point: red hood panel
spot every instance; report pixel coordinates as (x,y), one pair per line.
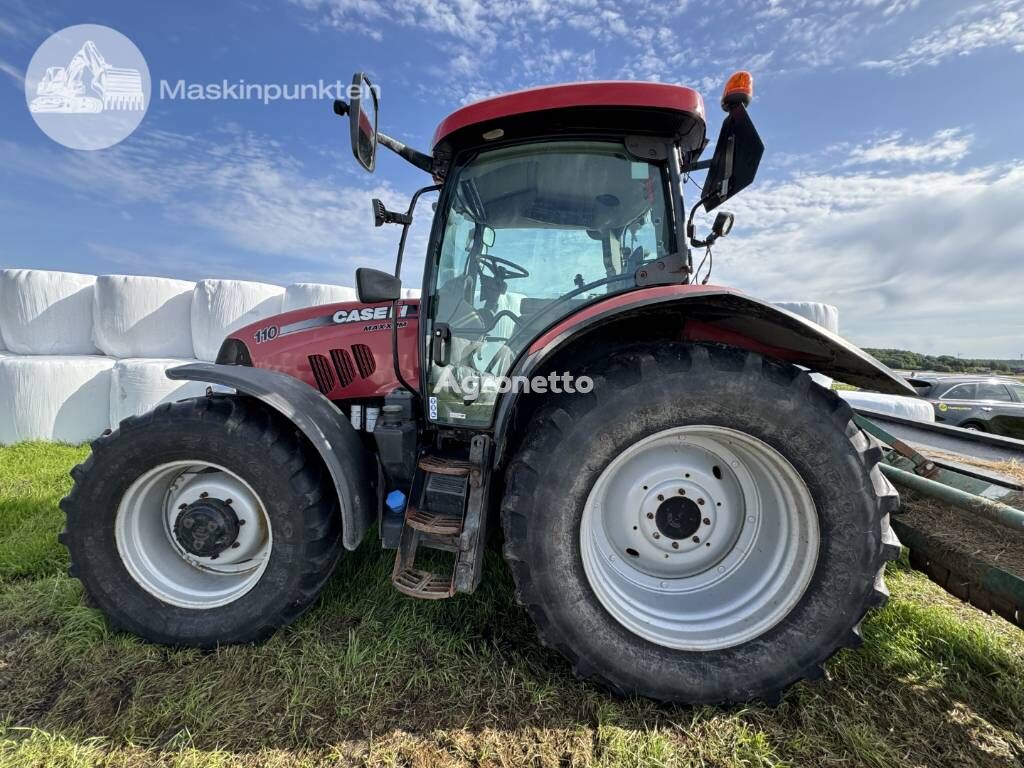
(343,350)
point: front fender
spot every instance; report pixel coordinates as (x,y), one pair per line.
(319,420)
(710,313)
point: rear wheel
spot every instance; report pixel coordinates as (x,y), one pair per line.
(203,522)
(707,526)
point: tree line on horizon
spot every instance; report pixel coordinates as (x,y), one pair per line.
(915,361)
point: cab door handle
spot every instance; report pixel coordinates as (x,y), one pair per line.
(442,344)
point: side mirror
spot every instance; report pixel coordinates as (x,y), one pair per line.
(374,286)
(737,156)
(362,118)
(723,224)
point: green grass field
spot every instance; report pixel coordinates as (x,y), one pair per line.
(370,677)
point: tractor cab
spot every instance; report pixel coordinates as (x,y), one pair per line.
(552,199)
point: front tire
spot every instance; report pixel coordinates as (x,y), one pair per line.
(204,522)
(734,604)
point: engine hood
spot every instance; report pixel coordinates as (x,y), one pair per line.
(343,350)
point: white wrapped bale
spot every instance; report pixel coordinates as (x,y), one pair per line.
(301,295)
(895,405)
(141,384)
(142,316)
(46,313)
(222,306)
(54,397)
(825,315)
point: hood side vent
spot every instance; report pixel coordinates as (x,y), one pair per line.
(364,360)
(344,366)
(322,373)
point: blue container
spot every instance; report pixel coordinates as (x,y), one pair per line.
(395,502)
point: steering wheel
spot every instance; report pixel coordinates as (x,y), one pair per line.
(501,269)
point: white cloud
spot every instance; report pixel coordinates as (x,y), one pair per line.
(927,261)
(988,25)
(15,74)
(243,189)
(946,146)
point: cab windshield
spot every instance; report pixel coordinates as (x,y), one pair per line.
(532,233)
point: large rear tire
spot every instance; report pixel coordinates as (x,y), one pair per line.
(204,522)
(707,526)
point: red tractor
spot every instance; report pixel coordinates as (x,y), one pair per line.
(687,516)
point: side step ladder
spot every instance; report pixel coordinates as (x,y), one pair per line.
(446,512)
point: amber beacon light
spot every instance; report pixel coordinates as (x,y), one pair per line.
(739,89)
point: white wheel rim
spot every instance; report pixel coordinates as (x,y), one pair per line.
(736,575)
(157,561)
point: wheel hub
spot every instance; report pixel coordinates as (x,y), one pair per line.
(677,518)
(206,527)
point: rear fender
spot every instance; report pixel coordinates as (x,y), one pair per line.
(319,420)
(709,313)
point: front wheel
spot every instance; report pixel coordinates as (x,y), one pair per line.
(707,526)
(205,522)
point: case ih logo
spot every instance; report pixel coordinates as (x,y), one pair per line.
(370,313)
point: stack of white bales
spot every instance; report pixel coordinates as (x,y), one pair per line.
(54,384)
(83,352)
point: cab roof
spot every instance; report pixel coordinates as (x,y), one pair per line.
(632,107)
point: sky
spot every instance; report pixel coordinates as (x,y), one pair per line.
(892,184)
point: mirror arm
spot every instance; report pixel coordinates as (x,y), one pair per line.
(691,231)
(420,160)
(700,165)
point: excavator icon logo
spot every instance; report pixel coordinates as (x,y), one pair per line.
(81,99)
(62,89)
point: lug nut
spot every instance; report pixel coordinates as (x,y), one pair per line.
(183,506)
(203,495)
(227,501)
(657,535)
(696,539)
(706,521)
(675,545)
(682,491)
(650,515)
(701,502)
(661,497)
(235,545)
